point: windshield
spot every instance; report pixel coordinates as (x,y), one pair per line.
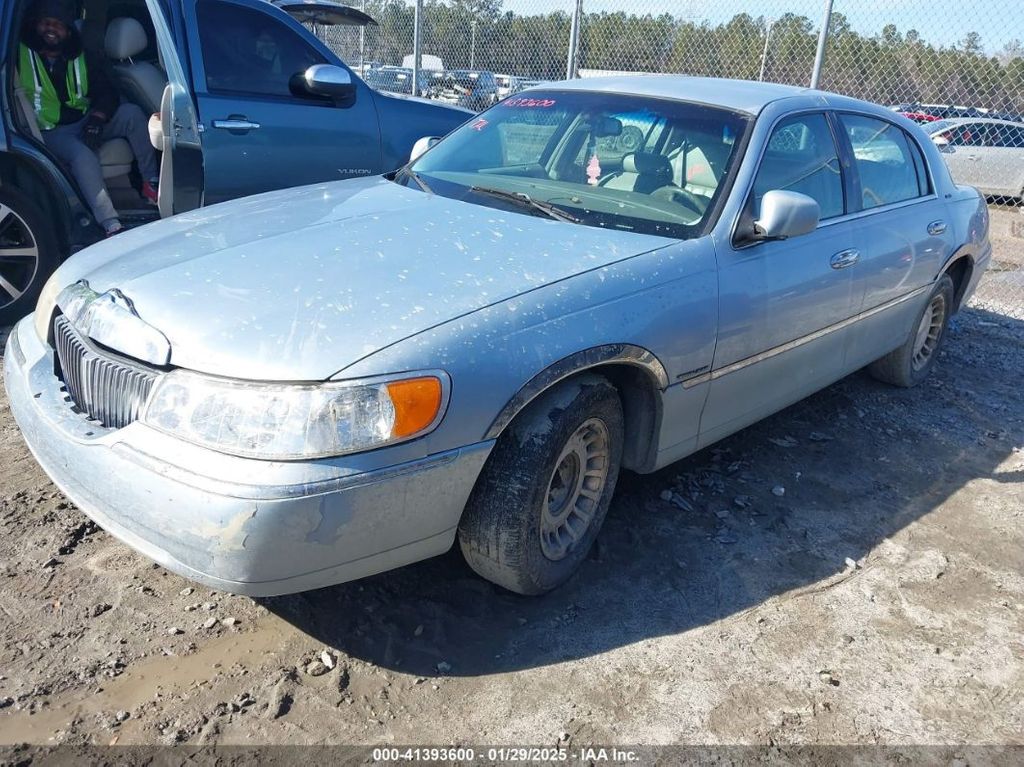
(632,163)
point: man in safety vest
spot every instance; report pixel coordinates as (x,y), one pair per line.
(76,106)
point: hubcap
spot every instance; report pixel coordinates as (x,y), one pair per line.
(575,489)
(19,256)
(928,332)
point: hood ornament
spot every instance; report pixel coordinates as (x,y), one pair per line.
(111,319)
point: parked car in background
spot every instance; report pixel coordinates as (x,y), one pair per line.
(987,154)
(313,385)
(918,117)
(249,100)
(508,84)
(395,80)
(468,88)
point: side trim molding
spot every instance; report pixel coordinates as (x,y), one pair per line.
(626,354)
(798,342)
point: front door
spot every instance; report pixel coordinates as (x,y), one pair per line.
(181,160)
(259,133)
(781,304)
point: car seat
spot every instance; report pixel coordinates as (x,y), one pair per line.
(140,82)
(642,172)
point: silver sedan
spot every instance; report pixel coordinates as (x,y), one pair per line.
(313,385)
(986,153)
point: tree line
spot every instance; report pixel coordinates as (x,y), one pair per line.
(887,67)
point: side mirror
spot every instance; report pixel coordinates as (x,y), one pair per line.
(326,80)
(421,146)
(786,214)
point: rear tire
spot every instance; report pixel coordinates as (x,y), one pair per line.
(28,254)
(544,492)
(910,364)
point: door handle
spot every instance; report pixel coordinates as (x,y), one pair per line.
(234,123)
(936,227)
(845,258)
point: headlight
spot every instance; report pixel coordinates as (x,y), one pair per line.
(290,421)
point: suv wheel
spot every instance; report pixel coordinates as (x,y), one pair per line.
(28,254)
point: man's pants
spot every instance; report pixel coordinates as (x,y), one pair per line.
(65,141)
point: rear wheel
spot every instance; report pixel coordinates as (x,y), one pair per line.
(910,364)
(545,490)
(28,254)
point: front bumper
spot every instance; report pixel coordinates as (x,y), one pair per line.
(258,528)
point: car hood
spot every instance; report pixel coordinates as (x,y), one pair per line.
(301,283)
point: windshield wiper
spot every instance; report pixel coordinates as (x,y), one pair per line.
(418,179)
(523,199)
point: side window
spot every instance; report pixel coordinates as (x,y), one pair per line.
(968,134)
(884,161)
(1011,136)
(801,157)
(247,51)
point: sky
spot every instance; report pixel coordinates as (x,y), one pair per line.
(941,22)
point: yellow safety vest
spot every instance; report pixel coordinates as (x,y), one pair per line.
(35,79)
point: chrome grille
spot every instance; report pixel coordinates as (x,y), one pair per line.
(109,390)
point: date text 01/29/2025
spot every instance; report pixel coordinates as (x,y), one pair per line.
(503,754)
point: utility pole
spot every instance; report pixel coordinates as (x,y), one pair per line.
(574,41)
(819,56)
(417,52)
(472,45)
(764,53)
(362,44)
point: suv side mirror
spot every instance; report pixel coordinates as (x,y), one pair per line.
(786,214)
(421,146)
(326,80)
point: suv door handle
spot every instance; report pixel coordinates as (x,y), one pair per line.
(235,123)
(936,227)
(845,258)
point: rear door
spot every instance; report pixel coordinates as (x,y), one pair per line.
(258,134)
(1001,160)
(903,231)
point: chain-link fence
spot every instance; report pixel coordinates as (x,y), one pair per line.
(933,59)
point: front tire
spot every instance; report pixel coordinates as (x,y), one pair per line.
(911,363)
(543,495)
(28,254)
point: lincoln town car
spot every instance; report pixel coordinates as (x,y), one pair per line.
(308,386)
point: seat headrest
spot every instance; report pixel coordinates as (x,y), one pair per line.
(125,38)
(647,164)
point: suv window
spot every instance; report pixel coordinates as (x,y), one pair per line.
(246,51)
(801,157)
(885,161)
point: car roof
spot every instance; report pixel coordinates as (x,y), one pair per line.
(975,120)
(738,95)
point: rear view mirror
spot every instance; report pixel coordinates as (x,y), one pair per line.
(607,127)
(421,146)
(786,214)
(325,80)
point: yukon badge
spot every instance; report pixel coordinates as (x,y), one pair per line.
(111,319)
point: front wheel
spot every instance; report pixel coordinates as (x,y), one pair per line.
(910,364)
(28,254)
(543,495)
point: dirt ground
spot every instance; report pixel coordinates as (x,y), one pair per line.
(849,571)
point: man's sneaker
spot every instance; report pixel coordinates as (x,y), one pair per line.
(149,191)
